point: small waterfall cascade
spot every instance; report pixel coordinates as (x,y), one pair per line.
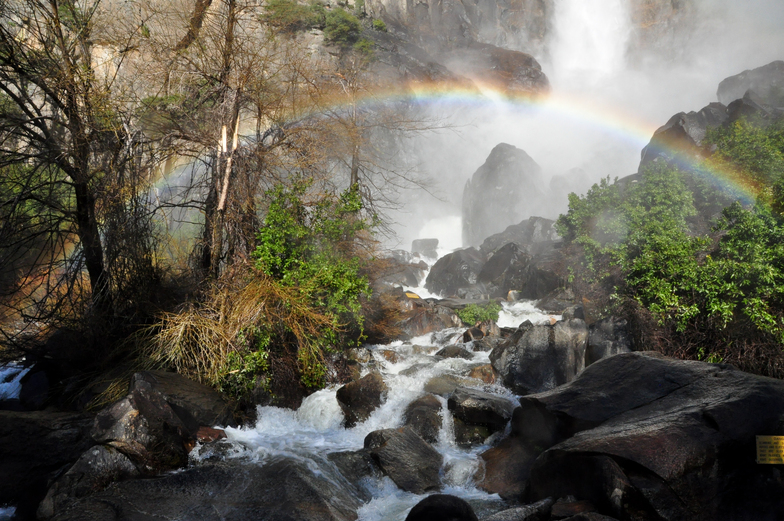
(315,430)
(590,38)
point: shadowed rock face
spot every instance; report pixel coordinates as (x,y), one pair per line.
(503,191)
(767,82)
(283,489)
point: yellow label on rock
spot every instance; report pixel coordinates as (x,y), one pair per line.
(411,294)
(770,450)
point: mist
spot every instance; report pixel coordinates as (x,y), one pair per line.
(608,97)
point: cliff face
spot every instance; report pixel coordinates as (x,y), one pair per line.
(519,25)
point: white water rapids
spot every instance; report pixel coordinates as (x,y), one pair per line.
(314,430)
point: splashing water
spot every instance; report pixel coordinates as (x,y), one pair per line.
(11,380)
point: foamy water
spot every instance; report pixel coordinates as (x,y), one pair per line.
(315,430)
(11,380)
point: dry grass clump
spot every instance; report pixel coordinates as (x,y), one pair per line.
(198,340)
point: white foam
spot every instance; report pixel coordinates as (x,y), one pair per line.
(10,380)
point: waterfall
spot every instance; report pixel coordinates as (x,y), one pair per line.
(590,38)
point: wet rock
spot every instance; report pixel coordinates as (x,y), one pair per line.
(360,398)
(196,404)
(158,420)
(467,435)
(590,516)
(573,312)
(767,82)
(424,416)
(607,337)
(503,191)
(471,334)
(358,467)
(542,357)
(646,437)
(362,355)
(455,271)
(34,446)
(487,343)
(483,372)
(411,462)
(208,434)
(533,236)
(424,320)
(539,511)
(425,247)
(446,384)
(751,108)
(93,471)
(455,352)
(507,467)
(479,408)
(389,355)
(281,490)
(557,301)
(442,507)
(402,269)
(507,269)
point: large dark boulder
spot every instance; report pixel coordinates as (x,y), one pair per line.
(411,462)
(503,191)
(424,415)
(767,82)
(34,446)
(538,358)
(359,468)
(507,269)
(424,318)
(442,507)
(533,236)
(283,489)
(479,408)
(645,437)
(93,471)
(683,134)
(506,468)
(159,418)
(360,398)
(455,271)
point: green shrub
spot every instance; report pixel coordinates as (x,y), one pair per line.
(379,25)
(364,47)
(473,313)
(291,16)
(342,28)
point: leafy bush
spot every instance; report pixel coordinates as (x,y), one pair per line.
(379,25)
(342,28)
(473,313)
(291,16)
(364,47)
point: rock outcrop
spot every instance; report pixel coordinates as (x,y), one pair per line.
(641,436)
(360,398)
(455,271)
(539,358)
(506,189)
(408,460)
(767,82)
(283,489)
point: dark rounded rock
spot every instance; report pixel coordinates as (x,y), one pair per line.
(455,271)
(424,416)
(455,352)
(662,438)
(411,462)
(479,408)
(507,467)
(280,490)
(360,398)
(424,320)
(442,507)
(467,435)
(425,247)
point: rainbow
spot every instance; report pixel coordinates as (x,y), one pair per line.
(603,117)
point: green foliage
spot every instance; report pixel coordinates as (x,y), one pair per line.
(379,25)
(291,16)
(359,8)
(364,47)
(342,28)
(310,246)
(473,313)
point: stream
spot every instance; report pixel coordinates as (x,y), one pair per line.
(313,431)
